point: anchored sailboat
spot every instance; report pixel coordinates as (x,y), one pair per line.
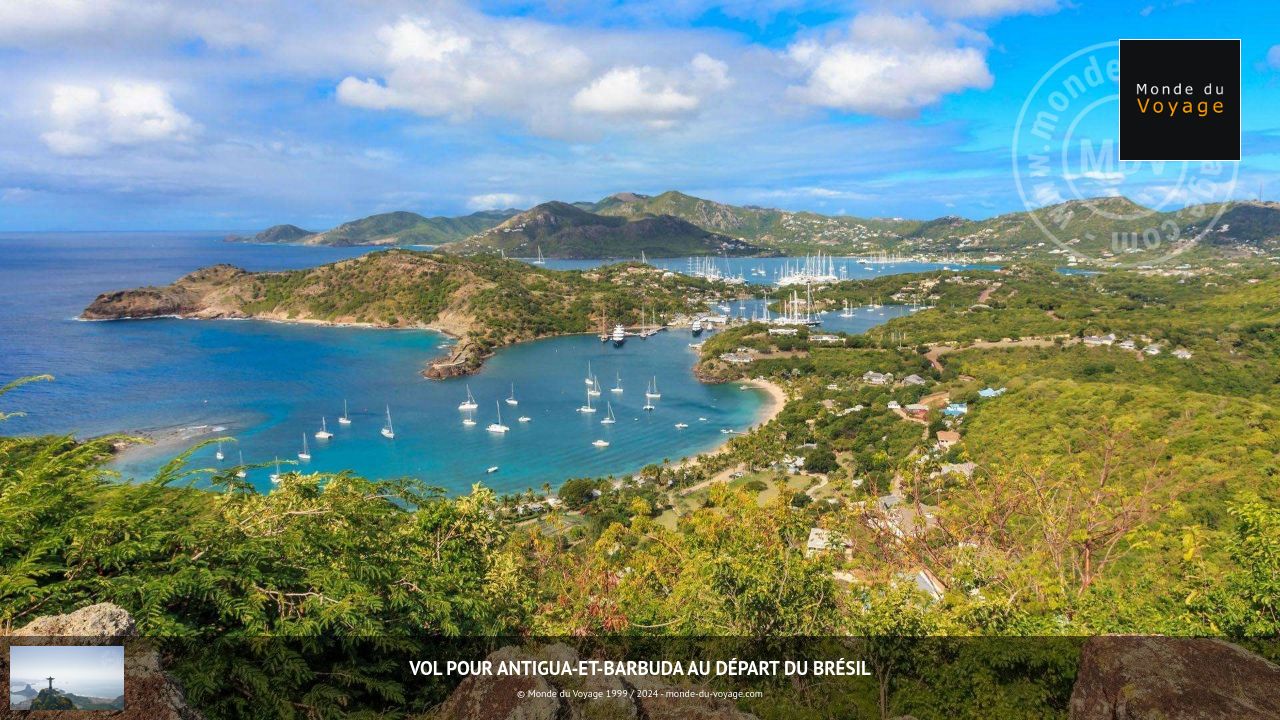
(541,260)
(218,455)
(346,416)
(594,390)
(498,427)
(275,476)
(469,420)
(388,431)
(590,378)
(652,393)
(323,433)
(305,454)
(617,387)
(241,473)
(469,403)
(512,400)
(610,419)
(587,408)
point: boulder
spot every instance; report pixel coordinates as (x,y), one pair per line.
(1164,678)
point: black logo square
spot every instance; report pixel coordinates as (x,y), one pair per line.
(1179,100)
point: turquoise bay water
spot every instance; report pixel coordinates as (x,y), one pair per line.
(269,383)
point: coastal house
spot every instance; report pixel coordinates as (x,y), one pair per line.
(741,356)
(1128,345)
(871,377)
(928,583)
(1182,354)
(1099,340)
(955,409)
(783,331)
(917,410)
(947,438)
(827,339)
(892,514)
(1152,349)
(991,392)
(913,380)
(964,469)
(822,540)
(893,405)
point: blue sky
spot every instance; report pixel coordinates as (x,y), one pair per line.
(147,114)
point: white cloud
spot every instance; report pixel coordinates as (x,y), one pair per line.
(445,66)
(497,201)
(891,66)
(989,8)
(86,120)
(652,95)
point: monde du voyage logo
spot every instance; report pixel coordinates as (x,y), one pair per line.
(1179,100)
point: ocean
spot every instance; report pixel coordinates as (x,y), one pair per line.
(267,385)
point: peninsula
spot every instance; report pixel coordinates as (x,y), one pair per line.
(484,301)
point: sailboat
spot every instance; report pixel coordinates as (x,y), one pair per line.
(323,433)
(610,419)
(275,476)
(305,454)
(617,387)
(241,473)
(388,431)
(469,420)
(498,427)
(587,408)
(648,394)
(469,403)
(590,378)
(652,393)
(218,455)
(643,259)
(512,400)
(594,390)
(848,311)
(541,260)
(346,416)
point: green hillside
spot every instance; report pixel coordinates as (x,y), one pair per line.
(561,230)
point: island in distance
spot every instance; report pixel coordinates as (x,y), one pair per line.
(673,224)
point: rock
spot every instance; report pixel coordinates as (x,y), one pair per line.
(149,692)
(559,697)
(104,620)
(1146,678)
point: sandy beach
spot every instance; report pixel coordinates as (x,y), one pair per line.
(777,399)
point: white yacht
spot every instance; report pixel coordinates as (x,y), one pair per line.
(218,455)
(346,416)
(523,418)
(323,433)
(609,419)
(305,454)
(512,400)
(652,393)
(388,431)
(601,443)
(681,426)
(498,427)
(619,335)
(697,327)
(469,403)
